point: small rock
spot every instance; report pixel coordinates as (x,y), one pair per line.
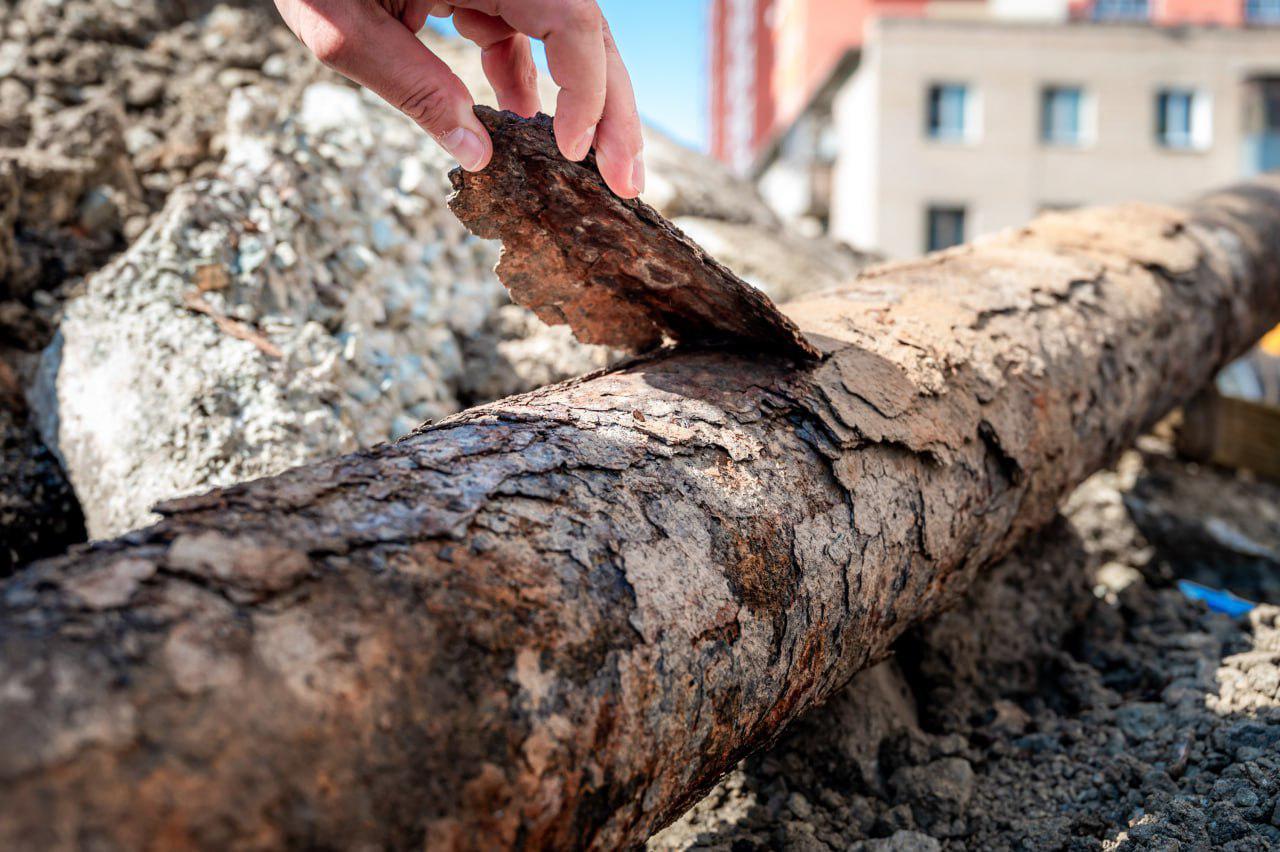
(937,792)
(1010,719)
(1140,720)
(276,65)
(1113,578)
(134,226)
(902,841)
(144,90)
(897,818)
(234,78)
(11,56)
(799,806)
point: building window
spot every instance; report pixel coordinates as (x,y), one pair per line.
(1262,125)
(1183,119)
(945,227)
(1262,11)
(1062,115)
(949,112)
(1120,10)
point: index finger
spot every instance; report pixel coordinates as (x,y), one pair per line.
(573,32)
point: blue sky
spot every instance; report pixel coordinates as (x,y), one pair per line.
(664,43)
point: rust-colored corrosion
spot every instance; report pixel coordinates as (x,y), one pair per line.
(554,621)
(614,270)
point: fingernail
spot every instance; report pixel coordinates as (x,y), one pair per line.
(465,146)
(583,147)
(637,174)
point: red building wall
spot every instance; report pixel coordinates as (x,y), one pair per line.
(1227,13)
(812,35)
(766,98)
(719,57)
(742,101)
(748,34)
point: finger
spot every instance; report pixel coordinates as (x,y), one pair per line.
(575,58)
(507,59)
(573,32)
(415,14)
(619,142)
(364,43)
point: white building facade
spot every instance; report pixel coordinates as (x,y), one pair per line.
(950,129)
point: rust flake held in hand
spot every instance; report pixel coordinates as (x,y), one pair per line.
(615,271)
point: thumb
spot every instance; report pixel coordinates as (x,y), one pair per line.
(365,43)
(442,106)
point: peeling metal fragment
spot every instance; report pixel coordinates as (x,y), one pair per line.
(615,271)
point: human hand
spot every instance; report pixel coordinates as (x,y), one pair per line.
(374,43)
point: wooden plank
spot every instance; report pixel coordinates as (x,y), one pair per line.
(1233,433)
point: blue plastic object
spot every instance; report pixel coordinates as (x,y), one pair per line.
(1218,600)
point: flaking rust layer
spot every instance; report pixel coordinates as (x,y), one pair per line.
(614,270)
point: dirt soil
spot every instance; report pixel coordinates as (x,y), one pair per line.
(38,511)
(1076,701)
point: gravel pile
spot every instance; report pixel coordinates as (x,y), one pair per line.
(105,107)
(1076,702)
